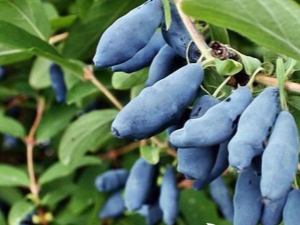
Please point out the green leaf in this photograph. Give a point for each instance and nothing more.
(39, 76)
(250, 64)
(28, 15)
(82, 200)
(100, 15)
(87, 133)
(50, 10)
(10, 55)
(151, 154)
(136, 90)
(2, 219)
(18, 211)
(273, 24)
(206, 210)
(59, 192)
(83, 7)
(59, 170)
(228, 66)
(79, 91)
(167, 13)
(280, 73)
(219, 34)
(32, 44)
(13, 176)
(63, 22)
(125, 81)
(10, 195)
(10, 126)
(54, 121)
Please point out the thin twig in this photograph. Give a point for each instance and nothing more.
(30, 143)
(58, 38)
(89, 75)
(115, 153)
(203, 47)
(270, 81)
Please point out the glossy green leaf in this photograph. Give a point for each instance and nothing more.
(151, 154)
(32, 44)
(28, 15)
(273, 24)
(59, 170)
(39, 76)
(18, 211)
(100, 15)
(54, 121)
(124, 81)
(10, 126)
(13, 176)
(87, 133)
(219, 34)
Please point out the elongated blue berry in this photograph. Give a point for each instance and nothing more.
(129, 34)
(197, 163)
(280, 158)
(220, 166)
(254, 126)
(2, 72)
(218, 123)
(168, 199)
(139, 184)
(144, 57)
(114, 206)
(152, 212)
(179, 38)
(111, 180)
(220, 194)
(247, 199)
(58, 83)
(164, 63)
(159, 106)
(272, 212)
(291, 211)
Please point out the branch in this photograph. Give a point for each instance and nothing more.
(89, 76)
(200, 43)
(270, 81)
(58, 38)
(30, 143)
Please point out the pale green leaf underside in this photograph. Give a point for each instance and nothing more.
(273, 24)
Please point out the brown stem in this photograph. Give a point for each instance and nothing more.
(193, 32)
(270, 81)
(89, 75)
(115, 153)
(58, 38)
(30, 143)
